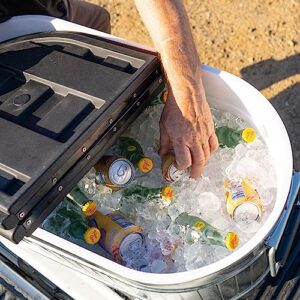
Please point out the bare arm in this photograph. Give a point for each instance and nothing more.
(186, 124)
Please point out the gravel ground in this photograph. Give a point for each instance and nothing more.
(257, 40)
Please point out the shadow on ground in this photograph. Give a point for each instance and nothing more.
(287, 103)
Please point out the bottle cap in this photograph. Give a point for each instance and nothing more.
(167, 193)
(164, 96)
(89, 208)
(232, 240)
(145, 165)
(248, 135)
(92, 235)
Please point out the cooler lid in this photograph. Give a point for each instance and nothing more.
(59, 93)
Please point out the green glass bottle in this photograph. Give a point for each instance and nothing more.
(207, 233)
(76, 227)
(140, 194)
(143, 194)
(160, 99)
(79, 199)
(132, 150)
(229, 137)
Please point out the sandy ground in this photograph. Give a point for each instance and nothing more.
(258, 40)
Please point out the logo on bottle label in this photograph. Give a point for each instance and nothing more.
(131, 148)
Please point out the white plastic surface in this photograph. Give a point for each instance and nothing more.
(23, 25)
(223, 91)
(76, 285)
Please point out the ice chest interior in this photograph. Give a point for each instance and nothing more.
(62, 147)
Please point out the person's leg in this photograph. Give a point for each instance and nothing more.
(87, 14)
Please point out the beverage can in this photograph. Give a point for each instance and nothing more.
(242, 201)
(169, 171)
(114, 171)
(119, 235)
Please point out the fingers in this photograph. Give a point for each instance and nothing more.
(213, 143)
(183, 156)
(200, 154)
(165, 142)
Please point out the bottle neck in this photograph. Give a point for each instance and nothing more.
(77, 197)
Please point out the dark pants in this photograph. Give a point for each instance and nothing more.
(88, 14)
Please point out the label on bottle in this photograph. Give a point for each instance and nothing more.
(131, 148)
(199, 225)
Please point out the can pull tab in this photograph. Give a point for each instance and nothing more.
(281, 239)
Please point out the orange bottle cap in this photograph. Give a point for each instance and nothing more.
(89, 208)
(145, 165)
(167, 193)
(164, 96)
(248, 135)
(232, 240)
(92, 235)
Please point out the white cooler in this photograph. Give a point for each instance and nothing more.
(86, 275)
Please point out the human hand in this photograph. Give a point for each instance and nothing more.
(188, 129)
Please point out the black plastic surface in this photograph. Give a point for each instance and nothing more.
(61, 96)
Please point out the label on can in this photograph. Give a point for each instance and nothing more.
(170, 172)
(242, 201)
(174, 174)
(237, 191)
(121, 221)
(116, 231)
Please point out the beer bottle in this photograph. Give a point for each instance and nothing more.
(160, 99)
(78, 198)
(77, 227)
(143, 194)
(207, 233)
(132, 150)
(229, 137)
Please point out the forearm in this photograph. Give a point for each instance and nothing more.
(168, 25)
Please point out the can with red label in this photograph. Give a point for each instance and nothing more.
(114, 171)
(119, 236)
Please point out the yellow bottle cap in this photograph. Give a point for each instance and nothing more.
(232, 240)
(92, 235)
(164, 96)
(89, 208)
(167, 193)
(145, 164)
(199, 225)
(248, 135)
